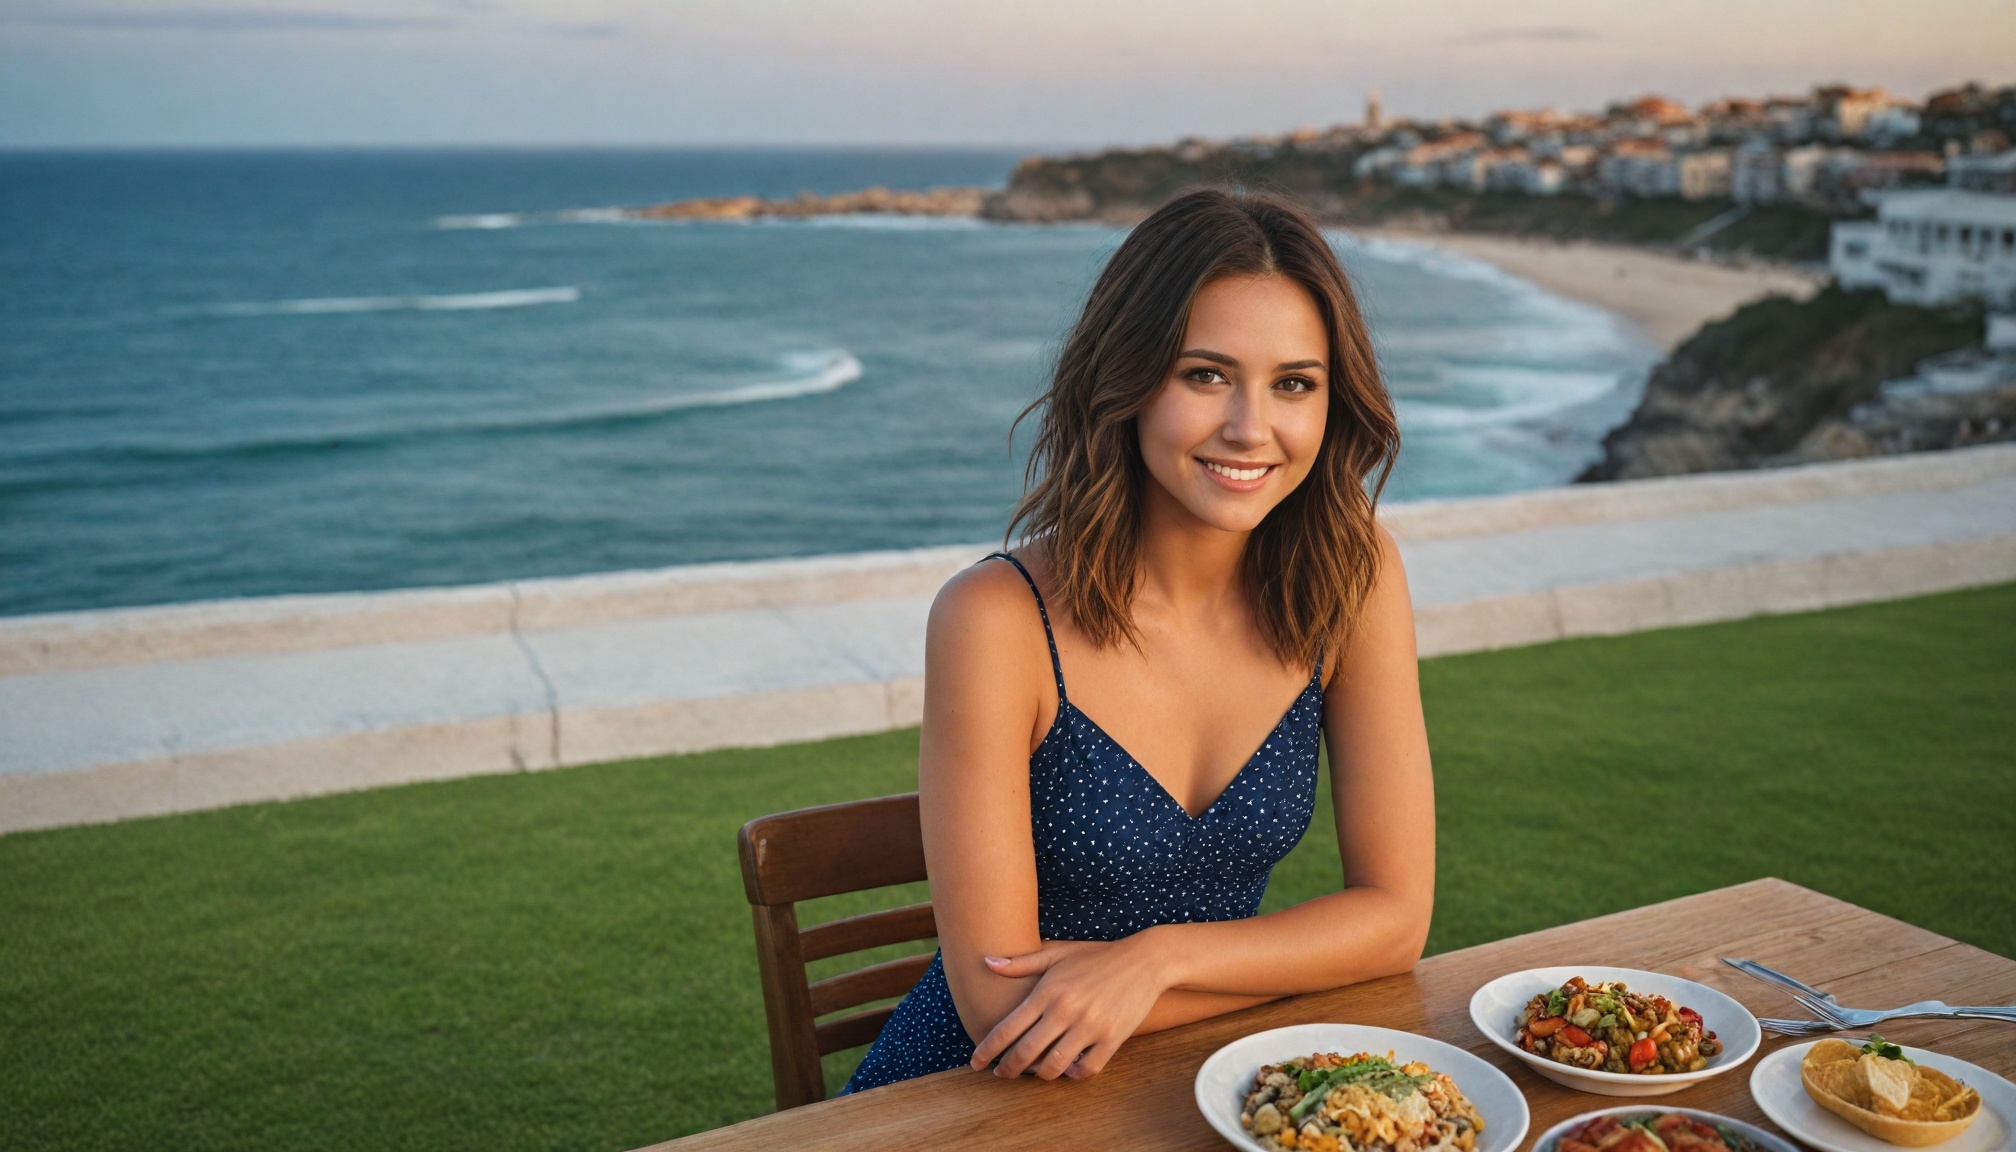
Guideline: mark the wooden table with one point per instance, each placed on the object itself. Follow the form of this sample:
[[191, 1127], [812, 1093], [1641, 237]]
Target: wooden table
[[1143, 1099]]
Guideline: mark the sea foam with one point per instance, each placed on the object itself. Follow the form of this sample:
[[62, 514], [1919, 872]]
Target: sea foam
[[455, 302], [810, 374]]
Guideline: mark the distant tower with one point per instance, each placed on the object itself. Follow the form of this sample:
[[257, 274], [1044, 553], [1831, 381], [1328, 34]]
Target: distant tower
[[1373, 119]]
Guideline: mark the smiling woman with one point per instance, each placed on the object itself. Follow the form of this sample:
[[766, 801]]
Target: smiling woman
[[1200, 546]]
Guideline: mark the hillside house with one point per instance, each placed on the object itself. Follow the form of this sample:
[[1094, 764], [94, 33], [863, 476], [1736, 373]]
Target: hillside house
[[1992, 173], [1932, 247]]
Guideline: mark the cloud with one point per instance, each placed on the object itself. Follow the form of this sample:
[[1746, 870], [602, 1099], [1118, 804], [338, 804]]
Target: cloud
[[1542, 34], [226, 20]]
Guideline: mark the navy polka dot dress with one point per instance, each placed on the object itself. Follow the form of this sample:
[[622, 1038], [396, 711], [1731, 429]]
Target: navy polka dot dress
[[1115, 854]]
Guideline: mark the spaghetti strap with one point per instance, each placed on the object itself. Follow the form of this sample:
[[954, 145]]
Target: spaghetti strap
[[1056, 665]]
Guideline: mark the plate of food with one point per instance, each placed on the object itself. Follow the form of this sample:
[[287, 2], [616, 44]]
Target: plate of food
[[1873, 1096], [1636, 1128], [1615, 1031], [1313, 1087]]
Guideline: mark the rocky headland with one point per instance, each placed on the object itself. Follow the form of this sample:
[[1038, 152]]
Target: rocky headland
[[875, 201], [1786, 381]]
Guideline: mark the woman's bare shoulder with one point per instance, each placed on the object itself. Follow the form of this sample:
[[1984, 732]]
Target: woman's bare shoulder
[[987, 604], [985, 659]]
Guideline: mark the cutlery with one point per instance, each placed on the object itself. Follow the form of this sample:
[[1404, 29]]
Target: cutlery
[[1832, 1024], [1758, 971], [1865, 1017], [1833, 1017], [1801, 1027]]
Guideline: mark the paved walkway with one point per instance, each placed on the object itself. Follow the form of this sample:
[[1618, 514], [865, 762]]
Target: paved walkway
[[134, 712]]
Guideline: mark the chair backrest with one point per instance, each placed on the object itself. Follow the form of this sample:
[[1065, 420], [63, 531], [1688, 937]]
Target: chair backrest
[[825, 851]]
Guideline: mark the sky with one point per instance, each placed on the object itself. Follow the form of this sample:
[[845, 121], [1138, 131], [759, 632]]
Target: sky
[[156, 73]]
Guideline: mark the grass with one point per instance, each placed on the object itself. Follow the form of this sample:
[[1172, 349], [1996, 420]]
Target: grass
[[563, 960]]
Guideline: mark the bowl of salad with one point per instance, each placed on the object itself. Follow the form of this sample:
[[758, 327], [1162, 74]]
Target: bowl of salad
[[1636, 1128], [1615, 1031]]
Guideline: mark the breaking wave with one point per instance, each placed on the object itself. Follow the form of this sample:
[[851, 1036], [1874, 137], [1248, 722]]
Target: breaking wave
[[458, 302], [1523, 394], [816, 373], [488, 221], [812, 375]]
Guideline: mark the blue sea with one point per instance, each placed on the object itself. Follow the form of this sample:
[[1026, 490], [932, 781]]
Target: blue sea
[[247, 373]]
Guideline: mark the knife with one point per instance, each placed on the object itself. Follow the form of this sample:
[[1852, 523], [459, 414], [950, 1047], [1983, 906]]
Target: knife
[[1758, 971]]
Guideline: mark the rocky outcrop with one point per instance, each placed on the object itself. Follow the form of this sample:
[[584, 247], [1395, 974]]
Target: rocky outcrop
[[881, 201], [1918, 421], [1122, 186], [1783, 381]]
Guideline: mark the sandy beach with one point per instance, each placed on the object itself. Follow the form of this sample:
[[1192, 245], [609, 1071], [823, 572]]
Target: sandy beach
[[1667, 297]]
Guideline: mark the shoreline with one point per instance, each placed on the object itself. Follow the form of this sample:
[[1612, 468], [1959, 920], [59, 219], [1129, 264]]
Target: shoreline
[[1665, 297]]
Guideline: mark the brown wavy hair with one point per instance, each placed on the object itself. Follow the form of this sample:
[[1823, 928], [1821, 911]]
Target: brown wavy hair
[[1310, 564]]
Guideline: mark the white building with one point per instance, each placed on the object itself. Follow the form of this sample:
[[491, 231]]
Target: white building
[[1932, 247], [1991, 173], [1799, 170], [1756, 173], [1891, 124], [1639, 168]]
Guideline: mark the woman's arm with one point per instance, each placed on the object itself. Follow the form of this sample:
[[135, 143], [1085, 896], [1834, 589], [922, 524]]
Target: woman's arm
[[984, 662], [1376, 926]]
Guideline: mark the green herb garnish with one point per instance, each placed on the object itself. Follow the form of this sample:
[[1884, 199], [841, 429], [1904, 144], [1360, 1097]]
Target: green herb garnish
[[1557, 1002], [1374, 1072], [1877, 1046]]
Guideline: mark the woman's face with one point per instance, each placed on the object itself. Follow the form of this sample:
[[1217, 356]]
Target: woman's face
[[1239, 420]]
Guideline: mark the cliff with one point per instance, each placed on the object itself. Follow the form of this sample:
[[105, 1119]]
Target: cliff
[[1784, 381]]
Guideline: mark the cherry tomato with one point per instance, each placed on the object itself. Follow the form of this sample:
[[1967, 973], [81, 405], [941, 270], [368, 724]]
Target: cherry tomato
[[1642, 1053], [1576, 1036]]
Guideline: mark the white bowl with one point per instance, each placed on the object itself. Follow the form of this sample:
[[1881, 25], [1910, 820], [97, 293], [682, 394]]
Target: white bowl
[[1762, 1138], [1496, 1006], [1224, 1080], [1776, 1087]]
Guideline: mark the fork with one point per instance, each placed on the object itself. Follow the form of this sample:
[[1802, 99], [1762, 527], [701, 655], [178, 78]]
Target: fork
[[1834, 1018], [1865, 1017], [1830, 1024]]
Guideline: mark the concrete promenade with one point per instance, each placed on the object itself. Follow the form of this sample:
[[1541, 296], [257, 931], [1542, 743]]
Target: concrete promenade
[[134, 712]]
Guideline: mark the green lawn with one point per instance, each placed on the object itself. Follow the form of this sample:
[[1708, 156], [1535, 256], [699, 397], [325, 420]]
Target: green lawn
[[563, 960]]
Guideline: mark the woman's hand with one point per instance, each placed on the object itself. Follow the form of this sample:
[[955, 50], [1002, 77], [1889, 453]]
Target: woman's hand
[[1089, 997]]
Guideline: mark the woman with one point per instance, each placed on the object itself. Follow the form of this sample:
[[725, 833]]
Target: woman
[[1200, 548]]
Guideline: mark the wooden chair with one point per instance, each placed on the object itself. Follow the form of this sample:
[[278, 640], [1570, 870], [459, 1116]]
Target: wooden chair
[[825, 851]]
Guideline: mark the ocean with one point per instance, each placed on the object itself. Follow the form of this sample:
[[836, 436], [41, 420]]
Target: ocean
[[251, 373]]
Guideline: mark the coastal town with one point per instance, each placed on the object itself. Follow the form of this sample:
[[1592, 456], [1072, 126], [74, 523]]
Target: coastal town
[[1899, 215], [1824, 149]]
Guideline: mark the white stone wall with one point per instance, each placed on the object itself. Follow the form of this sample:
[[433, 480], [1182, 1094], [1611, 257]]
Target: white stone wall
[[135, 712]]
